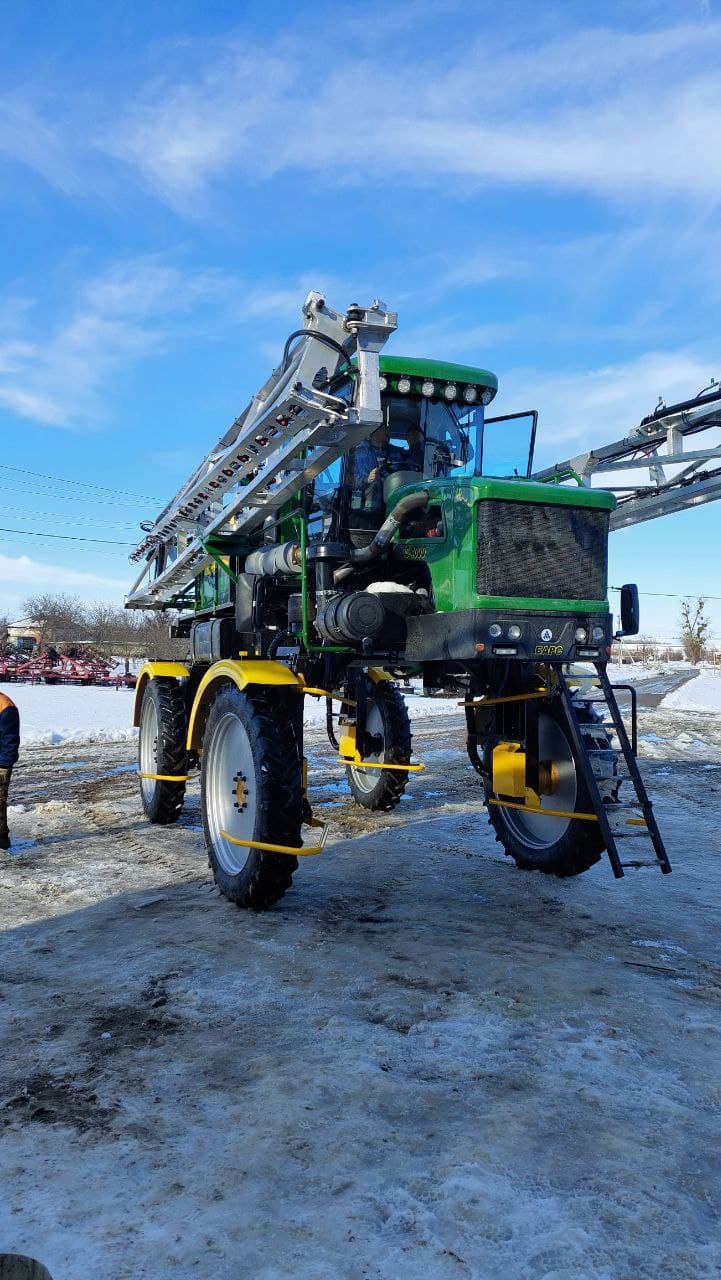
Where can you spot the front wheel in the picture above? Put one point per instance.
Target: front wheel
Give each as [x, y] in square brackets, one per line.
[251, 790]
[558, 846]
[388, 734]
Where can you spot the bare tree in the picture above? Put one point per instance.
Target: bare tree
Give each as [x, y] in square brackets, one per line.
[646, 648]
[694, 629]
[60, 619]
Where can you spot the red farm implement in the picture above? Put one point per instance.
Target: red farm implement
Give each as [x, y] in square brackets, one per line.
[60, 669]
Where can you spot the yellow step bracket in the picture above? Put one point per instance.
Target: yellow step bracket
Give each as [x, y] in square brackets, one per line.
[305, 851]
[165, 777]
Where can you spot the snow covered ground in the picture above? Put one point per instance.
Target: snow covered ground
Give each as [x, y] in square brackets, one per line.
[700, 694]
[51, 714]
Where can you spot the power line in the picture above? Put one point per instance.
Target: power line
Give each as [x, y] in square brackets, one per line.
[674, 595]
[61, 515]
[65, 537]
[11, 548]
[83, 484]
[14, 488]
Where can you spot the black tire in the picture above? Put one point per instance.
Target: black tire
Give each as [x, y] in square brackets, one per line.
[251, 787]
[579, 844]
[387, 720]
[161, 749]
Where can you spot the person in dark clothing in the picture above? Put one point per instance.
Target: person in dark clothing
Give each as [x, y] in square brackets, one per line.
[9, 751]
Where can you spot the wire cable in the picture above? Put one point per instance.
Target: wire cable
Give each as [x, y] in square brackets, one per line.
[674, 595]
[82, 484]
[65, 537]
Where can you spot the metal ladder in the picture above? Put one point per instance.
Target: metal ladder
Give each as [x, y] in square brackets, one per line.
[613, 819]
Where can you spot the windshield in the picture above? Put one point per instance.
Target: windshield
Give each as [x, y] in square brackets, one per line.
[430, 436]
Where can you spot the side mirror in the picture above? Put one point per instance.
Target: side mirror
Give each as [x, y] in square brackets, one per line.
[629, 610]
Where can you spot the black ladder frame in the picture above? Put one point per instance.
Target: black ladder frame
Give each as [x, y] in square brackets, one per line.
[634, 774]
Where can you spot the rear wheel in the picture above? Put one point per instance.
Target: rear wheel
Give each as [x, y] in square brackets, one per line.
[388, 732]
[558, 846]
[251, 789]
[162, 752]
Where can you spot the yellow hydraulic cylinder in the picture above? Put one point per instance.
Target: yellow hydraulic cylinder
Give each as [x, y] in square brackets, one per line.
[509, 769]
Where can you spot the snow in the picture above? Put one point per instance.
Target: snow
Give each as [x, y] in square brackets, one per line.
[51, 714]
[630, 672]
[701, 694]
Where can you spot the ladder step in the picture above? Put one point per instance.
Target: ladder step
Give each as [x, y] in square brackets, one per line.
[637, 863]
[619, 820]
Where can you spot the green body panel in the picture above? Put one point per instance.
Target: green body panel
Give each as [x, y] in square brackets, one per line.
[437, 370]
[451, 559]
[532, 491]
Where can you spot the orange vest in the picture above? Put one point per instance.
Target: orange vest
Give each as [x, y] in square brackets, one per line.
[5, 702]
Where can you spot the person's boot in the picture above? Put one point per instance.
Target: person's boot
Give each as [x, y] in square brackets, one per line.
[4, 788]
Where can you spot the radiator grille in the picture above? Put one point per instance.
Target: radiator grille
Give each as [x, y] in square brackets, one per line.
[539, 551]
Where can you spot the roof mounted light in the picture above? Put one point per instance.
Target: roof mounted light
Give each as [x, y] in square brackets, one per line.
[487, 395]
[450, 391]
[382, 382]
[428, 388]
[470, 394]
[404, 386]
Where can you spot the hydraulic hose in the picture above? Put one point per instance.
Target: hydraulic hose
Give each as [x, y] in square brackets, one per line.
[411, 502]
[319, 337]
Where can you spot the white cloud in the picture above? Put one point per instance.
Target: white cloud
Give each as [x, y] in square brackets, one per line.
[125, 314]
[22, 575]
[582, 408]
[600, 110]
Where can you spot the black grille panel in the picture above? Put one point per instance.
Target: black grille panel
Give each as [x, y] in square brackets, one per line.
[552, 551]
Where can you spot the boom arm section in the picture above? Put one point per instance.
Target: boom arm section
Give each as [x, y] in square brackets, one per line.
[677, 477]
[290, 431]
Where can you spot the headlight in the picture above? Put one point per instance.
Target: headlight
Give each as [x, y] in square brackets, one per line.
[495, 631]
[450, 391]
[581, 634]
[404, 385]
[382, 382]
[598, 633]
[487, 396]
[428, 388]
[470, 394]
[514, 632]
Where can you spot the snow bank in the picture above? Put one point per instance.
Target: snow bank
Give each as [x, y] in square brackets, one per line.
[701, 694]
[419, 708]
[50, 714]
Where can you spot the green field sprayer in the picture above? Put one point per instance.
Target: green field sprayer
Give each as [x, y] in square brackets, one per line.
[366, 520]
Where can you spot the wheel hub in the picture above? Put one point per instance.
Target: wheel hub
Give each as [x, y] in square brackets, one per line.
[241, 792]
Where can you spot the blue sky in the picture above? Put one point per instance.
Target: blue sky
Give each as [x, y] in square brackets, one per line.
[535, 188]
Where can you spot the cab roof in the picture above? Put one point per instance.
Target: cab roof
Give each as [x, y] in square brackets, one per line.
[438, 370]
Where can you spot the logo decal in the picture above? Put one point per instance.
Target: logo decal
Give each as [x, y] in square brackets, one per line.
[546, 634]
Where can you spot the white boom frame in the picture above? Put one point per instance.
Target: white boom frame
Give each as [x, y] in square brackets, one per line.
[287, 435]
